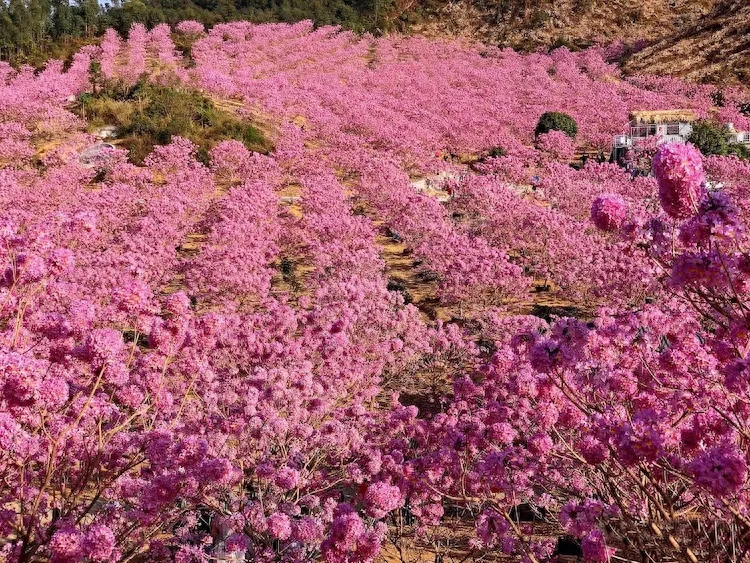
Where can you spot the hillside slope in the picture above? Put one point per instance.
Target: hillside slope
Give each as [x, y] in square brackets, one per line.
[697, 39]
[716, 48]
[523, 23]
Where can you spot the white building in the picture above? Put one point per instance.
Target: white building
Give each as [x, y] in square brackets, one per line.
[674, 125]
[738, 137]
[668, 125]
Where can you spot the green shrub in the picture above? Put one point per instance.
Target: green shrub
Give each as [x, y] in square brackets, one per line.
[709, 137]
[496, 152]
[184, 44]
[740, 151]
[539, 19]
[148, 114]
[637, 15]
[556, 121]
[583, 6]
[240, 131]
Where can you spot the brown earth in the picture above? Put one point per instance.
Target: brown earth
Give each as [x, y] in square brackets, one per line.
[539, 23]
[703, 40]
[714, 49]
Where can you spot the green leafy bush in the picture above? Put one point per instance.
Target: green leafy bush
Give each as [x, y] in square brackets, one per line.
[148, 114]
[556, 121]
[740, 151]
[709, 137]
[496, 152]
[539, 19]
[562, 41]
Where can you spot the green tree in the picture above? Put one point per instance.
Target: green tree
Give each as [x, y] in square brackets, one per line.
[39, 16]
[33, 30]
[21, 18]
[740, 151]
[556, 121]
[8, 32]
[63, 19]
[87, 12]
[709, 137]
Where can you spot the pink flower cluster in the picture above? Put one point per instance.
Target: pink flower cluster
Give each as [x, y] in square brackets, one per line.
[678, 169]
[608, 212]
[190, 27]
[557, 144]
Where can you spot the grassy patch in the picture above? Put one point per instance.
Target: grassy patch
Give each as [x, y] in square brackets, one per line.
[184, 44]
[149, 114]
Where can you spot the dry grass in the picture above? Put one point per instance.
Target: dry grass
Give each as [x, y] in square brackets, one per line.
[714, 49]
[664, 116]
[529, 25]
[701, 40]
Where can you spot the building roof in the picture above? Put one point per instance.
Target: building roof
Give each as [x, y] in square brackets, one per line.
[663, 116]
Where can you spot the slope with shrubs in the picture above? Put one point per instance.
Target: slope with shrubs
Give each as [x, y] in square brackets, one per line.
[525, 24]
[148, 114]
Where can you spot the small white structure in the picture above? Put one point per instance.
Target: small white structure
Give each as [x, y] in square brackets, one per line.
[623, 142]
[672, 125]
[669, 126]
[738, 137]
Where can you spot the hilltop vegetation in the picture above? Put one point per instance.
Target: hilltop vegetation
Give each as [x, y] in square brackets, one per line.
[35, 30]
[704, 40]
[714, 48]
[528, 25]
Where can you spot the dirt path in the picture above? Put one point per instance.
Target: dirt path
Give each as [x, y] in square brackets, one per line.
[292, 264]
